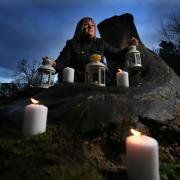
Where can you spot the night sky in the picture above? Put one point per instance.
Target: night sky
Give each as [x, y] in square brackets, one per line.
[32, 29]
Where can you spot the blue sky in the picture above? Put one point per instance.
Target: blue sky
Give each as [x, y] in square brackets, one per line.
[32, 29]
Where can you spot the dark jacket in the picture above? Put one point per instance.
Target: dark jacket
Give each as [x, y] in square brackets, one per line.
[76, 54]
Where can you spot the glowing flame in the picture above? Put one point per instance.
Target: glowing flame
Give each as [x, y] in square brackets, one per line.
[135, 133]
[119, 70]
[34, 101]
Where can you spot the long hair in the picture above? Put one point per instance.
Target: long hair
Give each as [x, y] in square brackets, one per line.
[80, 26]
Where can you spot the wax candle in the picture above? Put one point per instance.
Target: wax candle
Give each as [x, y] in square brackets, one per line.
[142, 157]
[68, 75]
[122, 78]
[35, 118]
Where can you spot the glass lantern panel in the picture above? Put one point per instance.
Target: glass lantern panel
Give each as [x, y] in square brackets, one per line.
[45, 78]
[86, 76]
[102, 76]
[133, 59]
[138, 58]
[127, 60]
[37, 79]
[130, 60]
[95, 76]
[52, 79]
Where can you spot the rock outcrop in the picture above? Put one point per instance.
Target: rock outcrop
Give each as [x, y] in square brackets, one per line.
[117, 30]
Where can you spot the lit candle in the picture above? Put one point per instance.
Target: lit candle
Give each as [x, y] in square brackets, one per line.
[122, 78]
[142, 157]
[68, 75]
[35, 118]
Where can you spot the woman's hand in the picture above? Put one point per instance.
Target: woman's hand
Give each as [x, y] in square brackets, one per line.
[133, 41]
[53, 64]
[47, 61]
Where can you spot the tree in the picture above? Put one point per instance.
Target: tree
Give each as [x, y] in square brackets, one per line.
[8, 89]
[167, 48]
[168, 53]
[170, 44]
[170, 30]
[26, 72]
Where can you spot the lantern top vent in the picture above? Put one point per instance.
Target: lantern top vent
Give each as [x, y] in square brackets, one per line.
[98, 64]
[132, 49]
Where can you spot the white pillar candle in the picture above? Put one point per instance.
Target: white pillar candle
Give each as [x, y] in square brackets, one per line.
[142, 158]
[122, 78]
[68, 75]
[35, 119]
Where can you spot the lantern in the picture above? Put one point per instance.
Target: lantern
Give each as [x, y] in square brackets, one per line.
[133, 58]
[95, 71]
[45, 74]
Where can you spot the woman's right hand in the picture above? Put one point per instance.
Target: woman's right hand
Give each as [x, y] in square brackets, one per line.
[133, 41]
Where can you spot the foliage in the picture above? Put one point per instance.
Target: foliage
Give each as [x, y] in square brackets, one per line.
[169, 163]
[54, 155]
[170, 55]
[170, 43]
[45, 156]
[170, 30]
[8, 89]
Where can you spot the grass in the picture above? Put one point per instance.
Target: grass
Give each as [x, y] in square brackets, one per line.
[56, 155]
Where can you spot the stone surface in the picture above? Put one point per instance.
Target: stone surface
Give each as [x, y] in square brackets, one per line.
[86, 108]
[117, 30]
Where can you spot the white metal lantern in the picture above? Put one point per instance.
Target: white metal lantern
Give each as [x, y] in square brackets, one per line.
[95, 73]
[133, 58]
[45, 74]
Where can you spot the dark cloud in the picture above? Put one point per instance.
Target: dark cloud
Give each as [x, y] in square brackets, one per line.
[28, 31]
[6, 75]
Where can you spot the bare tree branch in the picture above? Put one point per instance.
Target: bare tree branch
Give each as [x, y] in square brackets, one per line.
[26, 71]
[170, 30]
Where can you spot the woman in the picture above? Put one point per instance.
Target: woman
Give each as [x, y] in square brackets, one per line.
[84, 43]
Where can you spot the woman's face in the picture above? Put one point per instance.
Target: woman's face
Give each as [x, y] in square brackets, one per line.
[89, 29]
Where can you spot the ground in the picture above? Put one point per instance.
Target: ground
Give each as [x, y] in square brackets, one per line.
[58, 155]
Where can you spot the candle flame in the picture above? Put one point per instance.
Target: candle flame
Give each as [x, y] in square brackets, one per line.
[135, 133]
[34, 101]
[119, 70]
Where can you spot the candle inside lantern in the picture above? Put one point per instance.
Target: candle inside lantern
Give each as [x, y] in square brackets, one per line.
[122, 78]
[68, 75]
[142, 157]
[35, 118]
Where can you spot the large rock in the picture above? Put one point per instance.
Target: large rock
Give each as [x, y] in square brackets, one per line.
[81, 108]
[117, 30]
